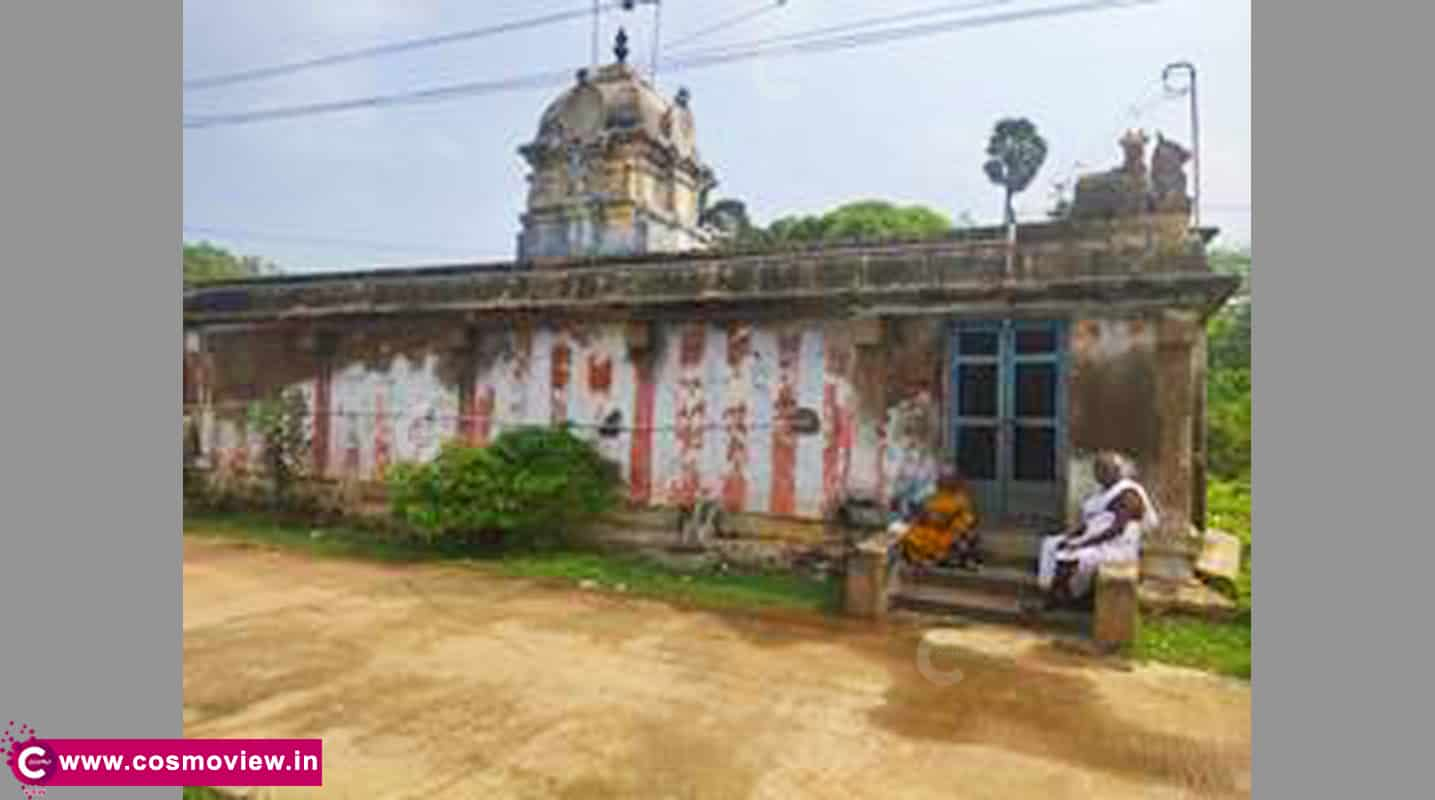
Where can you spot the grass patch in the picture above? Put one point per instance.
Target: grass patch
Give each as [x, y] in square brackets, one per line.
[328, 541]
[205, 793]
[1222, 647]
[642, 576]
[637, 575]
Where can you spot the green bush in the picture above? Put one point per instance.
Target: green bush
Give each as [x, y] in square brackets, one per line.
[534, 482]
[1228, 423]
[283, 424]
[1228, 397]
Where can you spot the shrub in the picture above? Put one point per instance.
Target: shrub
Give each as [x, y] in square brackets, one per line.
[1228, 424]
[282, 422]
[535, 482]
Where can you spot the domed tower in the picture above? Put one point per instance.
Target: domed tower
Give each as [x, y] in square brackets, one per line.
[614, 170]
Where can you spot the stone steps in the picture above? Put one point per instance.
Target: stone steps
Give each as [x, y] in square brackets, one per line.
[999, 592]
[997, 580]
[983, 606]
[1016, 549]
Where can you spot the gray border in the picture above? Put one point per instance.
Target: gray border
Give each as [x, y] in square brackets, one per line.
[1342, 445]
[90, 568]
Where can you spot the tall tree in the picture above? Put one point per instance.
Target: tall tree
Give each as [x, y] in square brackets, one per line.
[205, 262]
[1016, 152]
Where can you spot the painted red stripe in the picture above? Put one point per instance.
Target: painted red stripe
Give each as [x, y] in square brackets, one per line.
[467, 424]
[483, 416]
[734, 487]
[381, 437]
[640, 457]
[559, 382]
[837, 420]
[784, 440]
[882, 459]
[831, 447]
[690, 415]
[600, 374]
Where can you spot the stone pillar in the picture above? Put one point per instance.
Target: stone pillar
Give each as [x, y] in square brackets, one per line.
[1199, 434]
[1117, 605]
[1169, 552]
[865, 590]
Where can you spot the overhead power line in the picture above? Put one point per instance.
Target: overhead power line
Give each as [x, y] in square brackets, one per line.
[535, 81]
[847, 27]
[261, 73]
[763, 49]
[767, 7]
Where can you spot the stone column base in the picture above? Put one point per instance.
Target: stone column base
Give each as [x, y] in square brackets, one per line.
[1169, 558]
[865, 589]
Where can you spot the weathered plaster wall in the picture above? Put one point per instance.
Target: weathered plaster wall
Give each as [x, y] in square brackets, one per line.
[696, 410]
[1112, 386]
[1136, 385]
[234, 370]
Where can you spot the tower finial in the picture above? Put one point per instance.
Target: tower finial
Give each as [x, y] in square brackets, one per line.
[620, 47]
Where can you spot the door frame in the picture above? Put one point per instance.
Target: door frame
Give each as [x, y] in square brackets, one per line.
[1007, 359]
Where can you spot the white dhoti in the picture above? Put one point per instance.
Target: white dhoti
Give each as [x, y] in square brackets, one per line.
[1095, 521]
[1126, 547]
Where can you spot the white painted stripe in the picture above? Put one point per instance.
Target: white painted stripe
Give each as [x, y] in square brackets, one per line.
[808, 480]
[539, 388]
[664, 462]
[623, 397]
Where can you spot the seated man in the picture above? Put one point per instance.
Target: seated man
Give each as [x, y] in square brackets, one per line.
[943, 529]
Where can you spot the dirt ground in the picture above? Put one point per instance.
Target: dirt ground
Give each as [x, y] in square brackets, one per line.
[429, 681]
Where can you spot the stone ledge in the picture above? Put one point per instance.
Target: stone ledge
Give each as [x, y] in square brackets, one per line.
[926, 275]
[1191, 597]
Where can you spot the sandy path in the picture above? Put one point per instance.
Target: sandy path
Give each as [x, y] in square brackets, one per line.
[438, 682]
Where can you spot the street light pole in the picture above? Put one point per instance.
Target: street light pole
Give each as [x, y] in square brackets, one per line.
[1189, 89]
[596, 14]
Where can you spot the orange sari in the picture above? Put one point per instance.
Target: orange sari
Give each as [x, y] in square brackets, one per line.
[946, 516]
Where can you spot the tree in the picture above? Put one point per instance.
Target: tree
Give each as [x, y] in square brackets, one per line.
[1016, 153]
[206, 262]
[867, 220]
[1228, 344]
[728, 217]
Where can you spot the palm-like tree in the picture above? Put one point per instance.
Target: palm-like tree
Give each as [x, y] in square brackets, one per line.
[1016, 153]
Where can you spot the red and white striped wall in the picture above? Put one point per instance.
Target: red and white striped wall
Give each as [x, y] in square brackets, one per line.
[705, 412]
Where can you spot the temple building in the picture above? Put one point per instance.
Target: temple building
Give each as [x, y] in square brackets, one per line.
[614, 171]
[779, 386]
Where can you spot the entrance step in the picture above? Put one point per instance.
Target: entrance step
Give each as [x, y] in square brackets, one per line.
[993, 595]
[1011, 548]
[1003, 581]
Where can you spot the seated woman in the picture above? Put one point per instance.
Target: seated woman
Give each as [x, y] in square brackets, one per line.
[1113, 520]
[944, 526]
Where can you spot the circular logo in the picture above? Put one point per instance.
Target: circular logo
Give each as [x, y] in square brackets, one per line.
[936, 640]
[34, 762]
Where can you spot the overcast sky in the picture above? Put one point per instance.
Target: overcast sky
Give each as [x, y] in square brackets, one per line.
[904, 121]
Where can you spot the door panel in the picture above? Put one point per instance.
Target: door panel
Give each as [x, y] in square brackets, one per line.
[1008, 417]
[977, 434]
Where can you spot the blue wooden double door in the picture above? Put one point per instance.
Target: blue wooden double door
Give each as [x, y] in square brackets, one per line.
[1007, 415]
